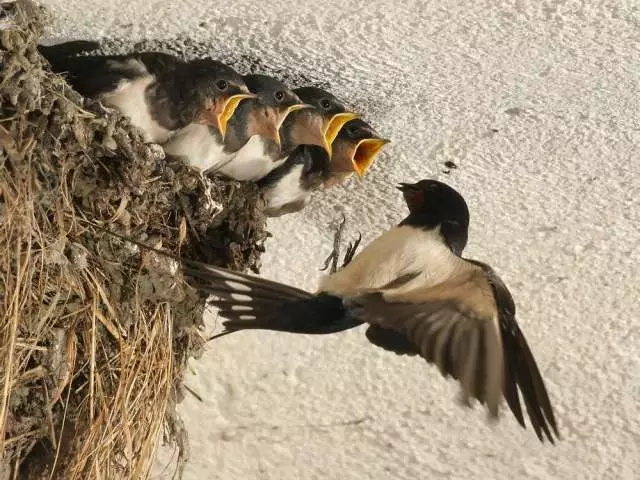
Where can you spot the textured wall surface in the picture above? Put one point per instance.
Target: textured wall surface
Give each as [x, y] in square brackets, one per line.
[537, 104]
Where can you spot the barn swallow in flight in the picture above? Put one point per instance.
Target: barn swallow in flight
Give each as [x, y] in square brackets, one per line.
[252, 145]
[418, 295]
[158, 92]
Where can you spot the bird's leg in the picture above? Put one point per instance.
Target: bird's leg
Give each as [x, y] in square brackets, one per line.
[351, 251]
[334, 256]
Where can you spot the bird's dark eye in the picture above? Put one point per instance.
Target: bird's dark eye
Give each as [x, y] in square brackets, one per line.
[325, 104]
[352, 128]
[279, 95]
[222, 85]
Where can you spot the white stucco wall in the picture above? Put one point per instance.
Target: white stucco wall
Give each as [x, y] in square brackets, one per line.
[537, 104]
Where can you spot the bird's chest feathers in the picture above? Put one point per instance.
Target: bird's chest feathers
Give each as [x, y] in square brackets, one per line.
[286, 189]
[131, 100]
[252, 161]
[398, 252]
[198, 147]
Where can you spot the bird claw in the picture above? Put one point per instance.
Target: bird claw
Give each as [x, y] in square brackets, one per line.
[334, 256]
[351, 250]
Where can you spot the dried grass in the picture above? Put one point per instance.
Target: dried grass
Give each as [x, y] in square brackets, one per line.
[94, 342]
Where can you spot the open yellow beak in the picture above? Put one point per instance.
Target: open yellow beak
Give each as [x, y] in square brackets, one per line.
[333, 127]
[225, 109]
[364, 154]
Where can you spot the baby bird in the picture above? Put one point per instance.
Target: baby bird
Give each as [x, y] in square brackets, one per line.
[158, 92]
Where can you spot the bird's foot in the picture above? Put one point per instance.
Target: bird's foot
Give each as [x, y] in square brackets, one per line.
[334, 256]
[351, 250]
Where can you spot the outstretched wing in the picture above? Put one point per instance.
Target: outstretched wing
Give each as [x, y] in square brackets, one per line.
[452, 325]
[461, 326]
[521, 370]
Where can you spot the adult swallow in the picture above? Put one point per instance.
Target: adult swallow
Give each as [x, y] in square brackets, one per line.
[418, 295]
[252, 146]
[287, 188]
[355, 148]
[160, 93]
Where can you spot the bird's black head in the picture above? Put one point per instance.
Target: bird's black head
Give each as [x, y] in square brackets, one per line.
[271, 91]
[431, 204]
[322, 100]
[356, 130]
[215, 77]
[264, 114]
[215, 90]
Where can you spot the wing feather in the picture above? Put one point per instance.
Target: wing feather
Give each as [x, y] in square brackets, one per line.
[466, 327]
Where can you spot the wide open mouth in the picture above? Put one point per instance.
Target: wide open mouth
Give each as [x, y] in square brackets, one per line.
[333, 127]
[228, 109]
[365, 152]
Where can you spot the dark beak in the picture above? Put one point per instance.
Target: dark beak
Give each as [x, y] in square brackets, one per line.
[404, 187]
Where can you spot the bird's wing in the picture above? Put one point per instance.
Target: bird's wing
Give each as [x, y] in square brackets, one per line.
[94, 75]
[161, 64]
[458, 326]
[73, 47]
[451, 325]
[521, 370]
[251, 302]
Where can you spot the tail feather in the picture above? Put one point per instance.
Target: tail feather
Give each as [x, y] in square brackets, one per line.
[249, 302]
[220, 278]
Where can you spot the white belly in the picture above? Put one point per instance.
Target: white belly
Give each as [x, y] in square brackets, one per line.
[250, 162]
[286, 190]
[129, 98]
[397, 252]
[198, 147]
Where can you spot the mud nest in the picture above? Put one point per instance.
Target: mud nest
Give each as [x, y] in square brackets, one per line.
[94, 333]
